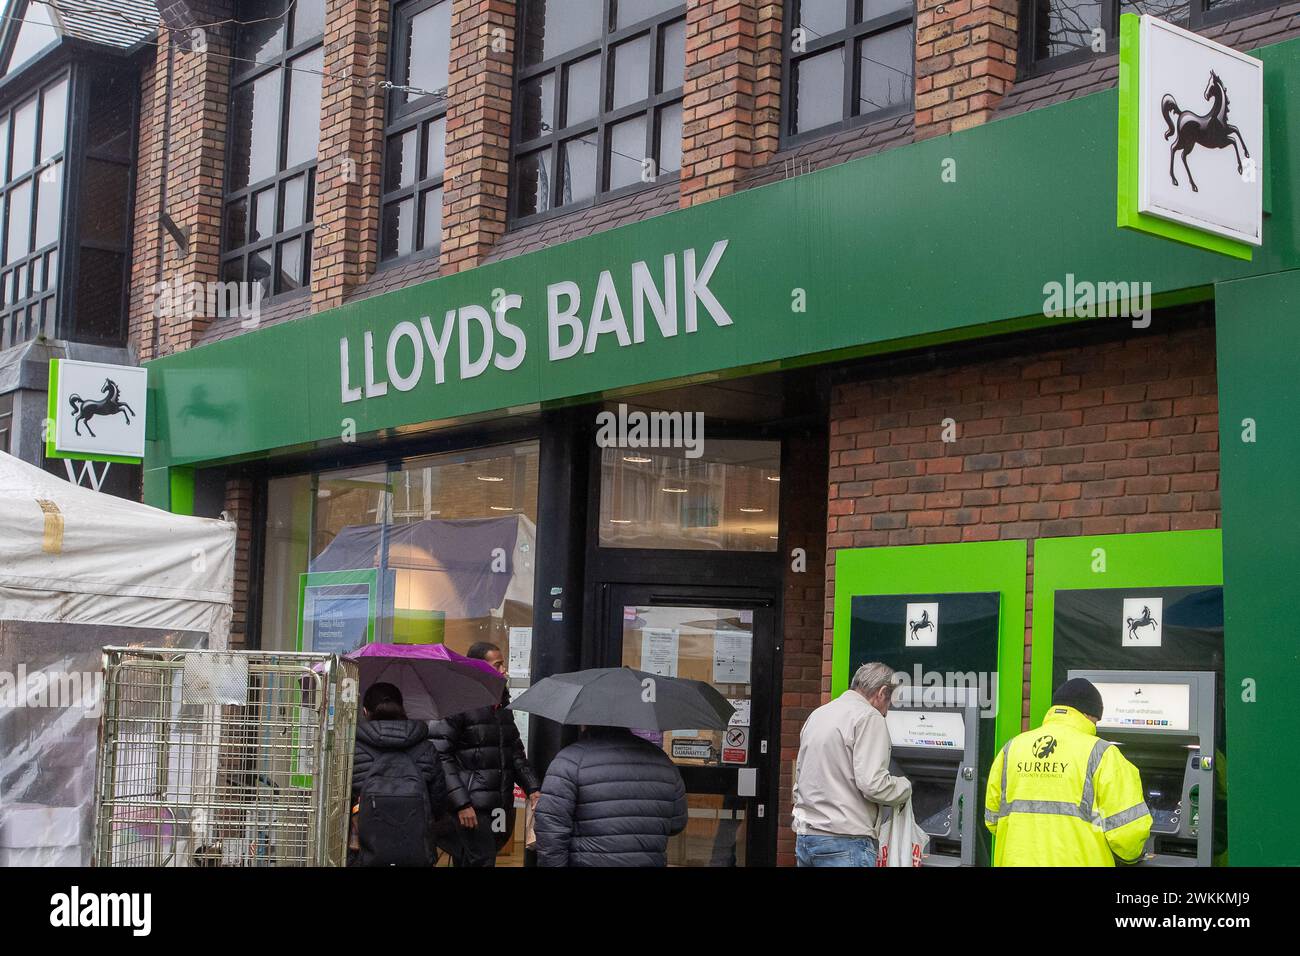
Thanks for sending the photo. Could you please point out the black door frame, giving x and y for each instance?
(764, 672)
(755, 578)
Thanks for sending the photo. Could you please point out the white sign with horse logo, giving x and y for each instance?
(922, 625)
(1200, 133)
(1142, 617)
(99, 409)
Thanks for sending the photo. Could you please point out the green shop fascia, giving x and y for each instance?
(953, 238)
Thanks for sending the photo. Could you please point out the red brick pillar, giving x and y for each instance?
(731, 112)
(478, 131)
(803, 516)
(144, 251)
(239, 509)
(199, 93)
(348, 161)
(965, 62)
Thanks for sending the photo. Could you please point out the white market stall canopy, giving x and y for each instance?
(72, 555)
(80, 570)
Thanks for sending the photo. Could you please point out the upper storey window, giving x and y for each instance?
(847, 62)
(32, 139)
(415, 160)
(1058, 32)
(274, 133)
(598, 100)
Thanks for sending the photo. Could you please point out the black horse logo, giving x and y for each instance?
(921, 625)
(201, 407)
(1044, 746)
(1146, 620)
(1211, 130)
(111, 404)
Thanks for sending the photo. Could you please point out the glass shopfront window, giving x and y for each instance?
(434, 550)
(727, 499)
(439, 549)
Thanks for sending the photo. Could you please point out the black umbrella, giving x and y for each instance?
(624, 697)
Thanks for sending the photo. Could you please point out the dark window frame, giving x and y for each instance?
(847, 39)
(243, 74)
(7, 422)
(88, 77)
(19, 312)
(17, 19)
(552, 140)
(400, 117)
(1199, 18)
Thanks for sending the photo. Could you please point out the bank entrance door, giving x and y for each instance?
(724, 637)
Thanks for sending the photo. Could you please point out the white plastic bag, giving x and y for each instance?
(902, 842)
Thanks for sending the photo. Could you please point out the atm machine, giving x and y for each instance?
(1164, 722)
(935, 735)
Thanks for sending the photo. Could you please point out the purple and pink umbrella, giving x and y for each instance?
(434, 680)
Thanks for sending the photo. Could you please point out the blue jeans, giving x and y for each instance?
(813, 849)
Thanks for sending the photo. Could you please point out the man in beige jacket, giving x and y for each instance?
(841, 776)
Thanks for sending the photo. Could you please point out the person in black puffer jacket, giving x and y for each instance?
(483, 758)
(611, 799)
(384, 728)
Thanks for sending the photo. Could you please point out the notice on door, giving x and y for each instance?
(691, 749)
(659, 651)
(742, 709)
(735, 745)
(731, 656)
(521, 652)
(521, 716)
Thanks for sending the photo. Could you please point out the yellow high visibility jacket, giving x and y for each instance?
(1059, 796)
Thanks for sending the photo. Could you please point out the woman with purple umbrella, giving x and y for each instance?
(398, 788)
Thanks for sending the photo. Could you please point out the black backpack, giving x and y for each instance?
(394, 819)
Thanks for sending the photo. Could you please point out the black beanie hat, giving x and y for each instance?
(1081, 695)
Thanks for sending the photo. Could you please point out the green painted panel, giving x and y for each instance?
(157, 487)
(1162, 559)
(182, 491)
(977, 566)
(1259, 379)
(884, 249)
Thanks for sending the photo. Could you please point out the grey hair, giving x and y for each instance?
(870, 677)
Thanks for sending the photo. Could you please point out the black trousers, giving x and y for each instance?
(478, 846)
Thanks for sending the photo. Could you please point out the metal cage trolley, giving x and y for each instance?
(213, 758)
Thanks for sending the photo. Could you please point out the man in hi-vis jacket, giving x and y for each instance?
(1059, 796)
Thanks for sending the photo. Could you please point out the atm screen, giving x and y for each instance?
(1162, 792)
(938, 730)
(1145, 706)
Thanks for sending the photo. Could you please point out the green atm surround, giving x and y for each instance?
(976, 566)
(1155, 559)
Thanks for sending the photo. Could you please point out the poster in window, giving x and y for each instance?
(659, 648)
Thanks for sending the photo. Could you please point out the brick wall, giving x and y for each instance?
(965, 62)
(803, 516)
(731, 108)
(144, 229)
(199, 94)
(348, 160)
(239, 509)
(480, 93)
(1100, 438)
